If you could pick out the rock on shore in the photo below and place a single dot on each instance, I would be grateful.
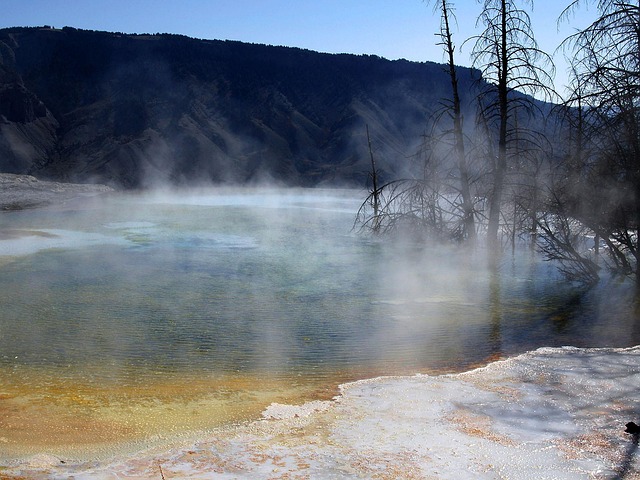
(25, 191)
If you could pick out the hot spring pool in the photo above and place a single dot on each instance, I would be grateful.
(130, 319)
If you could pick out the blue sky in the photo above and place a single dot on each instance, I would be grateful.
(388, 28)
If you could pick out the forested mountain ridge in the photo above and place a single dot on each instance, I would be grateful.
(133, 110)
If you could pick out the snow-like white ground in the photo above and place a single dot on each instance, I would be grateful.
(548, 414)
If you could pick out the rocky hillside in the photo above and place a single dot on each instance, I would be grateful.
(133, 110)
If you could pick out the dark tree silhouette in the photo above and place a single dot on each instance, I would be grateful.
(439, 204)
(447, 13)
(511, 62)
(603, 194)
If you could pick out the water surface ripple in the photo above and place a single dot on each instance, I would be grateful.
(133, 317)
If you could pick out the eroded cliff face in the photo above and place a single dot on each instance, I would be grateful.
(139, 110)
(27, 128)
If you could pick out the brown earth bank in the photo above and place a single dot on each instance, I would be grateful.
(18, 192)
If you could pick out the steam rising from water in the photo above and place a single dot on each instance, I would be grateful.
(201, 290)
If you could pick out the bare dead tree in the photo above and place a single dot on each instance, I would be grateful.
(511, 63)
(605, 99)
(440, 203)
(446, 40)
(375, 193)
(567, 244)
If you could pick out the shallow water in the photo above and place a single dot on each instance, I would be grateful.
(129, 319)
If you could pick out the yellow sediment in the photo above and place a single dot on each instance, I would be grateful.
(93, 414)
(72, 419)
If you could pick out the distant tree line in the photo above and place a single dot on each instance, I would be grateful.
(562, 176)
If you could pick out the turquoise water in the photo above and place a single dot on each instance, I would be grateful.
(261, 285)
